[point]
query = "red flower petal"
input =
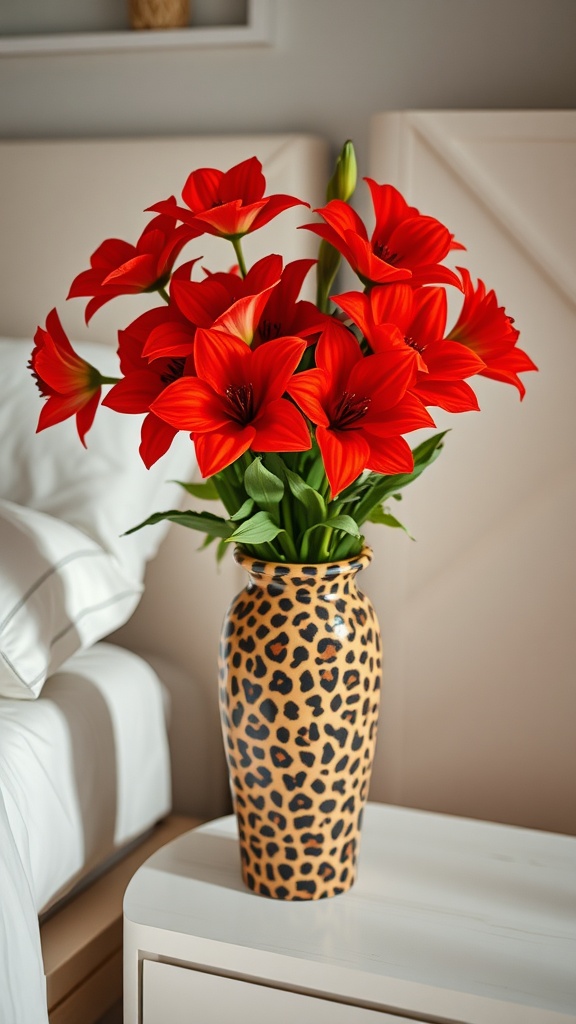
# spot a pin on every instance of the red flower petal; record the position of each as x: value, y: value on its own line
x: 232, y: 218
x: 447, y: 360
x: 170, y: 340
x: 136, y: 274
x: 134, y: 393
x: 390, y: 456
x: 310, y: 390
x: 342, y: 219
x: 408, y: 414
x: 280, y: 427
x: 155, y: 440
x: 219, y: 448
x: 191, y: 404
x: 221, y: 359
x: 201, y: 190
x: 345, y: 455
x: 390, y: 207
x: 244, y: 181
x: 419, y: 240
x: 452, y: 395
x: 242, y: 317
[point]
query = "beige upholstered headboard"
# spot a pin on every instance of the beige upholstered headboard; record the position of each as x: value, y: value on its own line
x: 58, y: 201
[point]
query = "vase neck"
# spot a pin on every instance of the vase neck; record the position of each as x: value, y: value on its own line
x: 280, y: 576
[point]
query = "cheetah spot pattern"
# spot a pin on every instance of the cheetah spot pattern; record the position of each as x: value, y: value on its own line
x: 299, y: 686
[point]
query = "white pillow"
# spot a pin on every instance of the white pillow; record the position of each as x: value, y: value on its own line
x: 103, y: 490
x: 60, y: 591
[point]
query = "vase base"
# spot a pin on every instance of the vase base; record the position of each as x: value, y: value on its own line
x: 298, y: 872
x: 300, y: 892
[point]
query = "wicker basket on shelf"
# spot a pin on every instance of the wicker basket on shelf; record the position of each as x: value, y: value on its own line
x: 155, y: 14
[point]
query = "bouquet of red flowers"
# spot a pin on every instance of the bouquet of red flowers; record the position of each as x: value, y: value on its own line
x: 297, y: 410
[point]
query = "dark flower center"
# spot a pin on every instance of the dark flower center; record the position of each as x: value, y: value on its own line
x: 174, y: 370
x: 160, y: 282
x: 381, y: 250
x: 269, y: 330
x: 241, y: 398
x: 414, y: 344
x: 349, y: 409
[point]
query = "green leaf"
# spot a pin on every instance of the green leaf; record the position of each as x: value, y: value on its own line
x: 221, y: 547
x: 216, y: 526
x: 264, y: 487
x: 221, y: 550
x: 243, y: 512
x: 312, y: 501
x: 424, y: 455
x: 256, y: 530
x: 382, y: 486
x: 344, y: 524
x: 206, y: 490
x: 380, y: 515
x: 348, y: 547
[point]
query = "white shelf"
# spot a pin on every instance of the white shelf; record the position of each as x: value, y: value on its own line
x: 258, y: 31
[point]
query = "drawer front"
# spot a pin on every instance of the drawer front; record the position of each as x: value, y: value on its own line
x: 178, y: 995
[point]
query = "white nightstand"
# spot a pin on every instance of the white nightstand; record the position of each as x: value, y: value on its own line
x: 450, y: 920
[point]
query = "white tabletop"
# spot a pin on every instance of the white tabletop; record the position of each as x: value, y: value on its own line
x: 460, y: 919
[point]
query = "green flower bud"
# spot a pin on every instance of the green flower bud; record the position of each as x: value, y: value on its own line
x: 343, y: 181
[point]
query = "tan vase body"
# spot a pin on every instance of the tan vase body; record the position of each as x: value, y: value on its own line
x: 300, y: 673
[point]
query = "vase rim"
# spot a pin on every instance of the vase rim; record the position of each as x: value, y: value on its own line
x: 336, y: 567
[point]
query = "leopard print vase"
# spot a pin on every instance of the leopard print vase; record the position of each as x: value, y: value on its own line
x: 300, y: 673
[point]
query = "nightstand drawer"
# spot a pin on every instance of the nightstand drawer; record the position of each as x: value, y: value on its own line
x: 178, y: 995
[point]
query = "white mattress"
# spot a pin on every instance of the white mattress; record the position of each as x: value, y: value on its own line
x: 84, y: 769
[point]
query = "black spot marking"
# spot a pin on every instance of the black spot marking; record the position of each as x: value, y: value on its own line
x: 252, y: 691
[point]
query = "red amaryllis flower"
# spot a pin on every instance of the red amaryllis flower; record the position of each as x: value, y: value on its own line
x: 144, y: 380
x: 285, y: 314
x: 225, y: 301
x: 419, y: 319
x: 404, y: 244
x: 236, y: 400
x: 361, y: 407
x: 229, y: 203
x: 71, y: 385
x: 118, y: 268
x: 486, y: 328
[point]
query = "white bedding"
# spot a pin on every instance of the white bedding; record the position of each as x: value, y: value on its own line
x: 84, y: 769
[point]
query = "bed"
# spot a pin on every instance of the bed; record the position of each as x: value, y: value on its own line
x: 109, y: 734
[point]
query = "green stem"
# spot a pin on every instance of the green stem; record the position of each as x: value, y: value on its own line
x: 109, y: 380
x: 288, y: 547
x: 324, y: 549
x: 227, y: 491
x: 163, y: 294
x: 266, y: 551
x: 286, y: 520
x: 316, y: 475
x: 239, y: 255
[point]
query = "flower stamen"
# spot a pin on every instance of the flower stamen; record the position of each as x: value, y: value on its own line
x: 414, y: 344
x: 349, y: 409
x: 382, y: 251
x: 173, y: 371
x: 241, y: 398
x: 269, y: 330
